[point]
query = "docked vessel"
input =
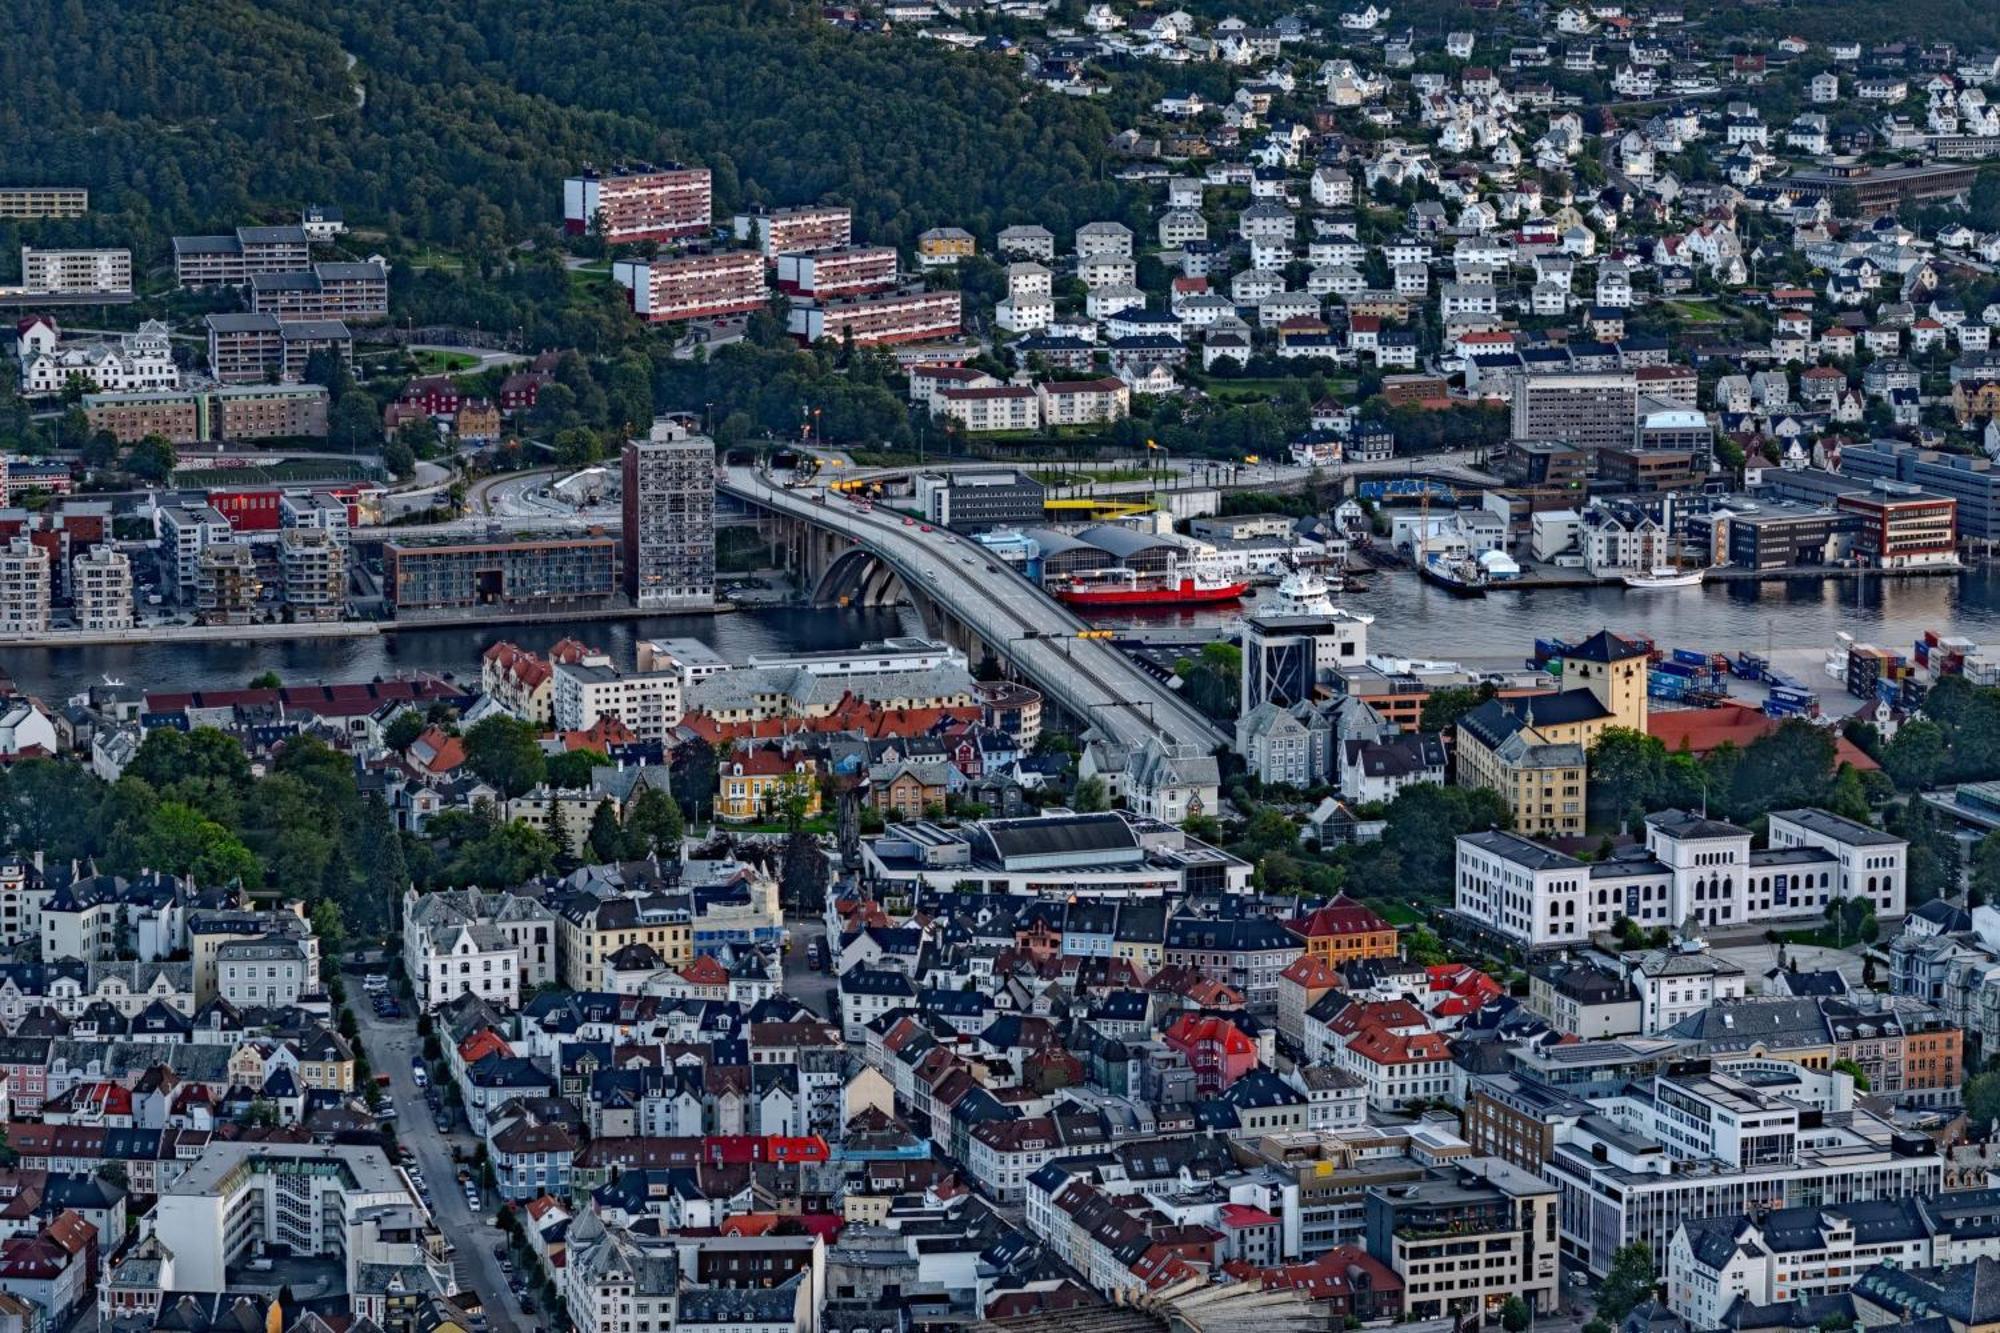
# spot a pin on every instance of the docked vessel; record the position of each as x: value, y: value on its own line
x: 1300, y: 593
x: 1128, y: 587
x: 1666, y: 576
x: 1461, y: 575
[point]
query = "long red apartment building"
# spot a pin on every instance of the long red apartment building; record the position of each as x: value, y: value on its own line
x: 693, y: 286
x: 653, y: 204
x: 887, y: 317
x: 797, y: 230
x: 846, y: 272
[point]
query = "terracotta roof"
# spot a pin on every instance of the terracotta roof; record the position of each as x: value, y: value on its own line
x: 1700, y: 730
x: 1342, y: 916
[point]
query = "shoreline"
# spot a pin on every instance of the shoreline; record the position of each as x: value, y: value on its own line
x: 333, y: 629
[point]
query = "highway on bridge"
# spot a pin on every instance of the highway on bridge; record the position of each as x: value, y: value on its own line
x: 1017, y: 621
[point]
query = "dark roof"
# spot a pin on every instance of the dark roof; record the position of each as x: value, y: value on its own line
x: 1059, y: 834
x: 1604, y: 646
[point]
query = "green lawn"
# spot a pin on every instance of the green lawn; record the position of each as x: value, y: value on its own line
x: 433, y: 362
x: 1696, y: 312
x: 1395, y: 911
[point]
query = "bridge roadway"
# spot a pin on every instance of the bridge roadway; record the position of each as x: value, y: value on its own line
x: 1017, y: 621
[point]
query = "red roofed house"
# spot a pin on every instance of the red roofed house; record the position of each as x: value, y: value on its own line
x: 1459, y: 989
x: 1349, y: 1279
x: 1344, y: 930
x: 436, y: 753
x: 1218, y: 1050
x: 1299, y: 989
x: 52, y: 1269
x: 1699, y: 730
x: 1249, y: 1234
x: 1398, y: 1069
x: 519, y: 682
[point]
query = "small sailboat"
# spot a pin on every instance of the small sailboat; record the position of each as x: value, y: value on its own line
x: 1666, y: 576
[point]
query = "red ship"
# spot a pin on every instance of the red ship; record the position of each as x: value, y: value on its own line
x: 1128, y: 587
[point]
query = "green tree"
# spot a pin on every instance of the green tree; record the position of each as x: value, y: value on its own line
x: 1854, y: 1071
x: 267, y: 680
x: 1091, y: 796
x: 1422, y: 946
x: 179, y: 838
x: 655, y: 823
x: 1445, y: 707
x: 607, y: 835
x: 152, y: 459
x: 1916, y: 756
x: 1515, y: 1316
x: 400, y: 459
x: 355, y: 423
x: 570, y: 770
x: 403, y: 730
x: 1630, y: 1282
x: 1849, y: 798
x: 1625, y: 772
x: 505, y: 752
x: 1982, y: 1099
x: 328, y: 926
x: 693, y: 774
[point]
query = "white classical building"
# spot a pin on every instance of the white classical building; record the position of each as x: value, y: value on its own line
x: 494, y: 945
x: 1692, y: 868
x: 136, y: 361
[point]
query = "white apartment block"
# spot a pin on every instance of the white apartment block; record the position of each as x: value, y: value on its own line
x: 1002, y: 407
x: 649, y: 702
x: 24, y: 588
x: 101, y: 588
x: 269, y: 971
x: 1084, y: 402
x: 94, y: 271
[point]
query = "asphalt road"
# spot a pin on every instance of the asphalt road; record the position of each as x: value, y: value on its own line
x: 1017, y: 620
x: 389, y: 1047
x: 816, y: 990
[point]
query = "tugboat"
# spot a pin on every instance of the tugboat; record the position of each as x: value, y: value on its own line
x: 1183, y: 586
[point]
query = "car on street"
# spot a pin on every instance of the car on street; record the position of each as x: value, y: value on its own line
x: 418, y: 1072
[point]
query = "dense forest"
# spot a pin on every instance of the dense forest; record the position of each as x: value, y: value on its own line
x: 476, y: 109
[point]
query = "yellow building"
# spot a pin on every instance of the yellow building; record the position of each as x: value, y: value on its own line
x: 751, y: 785
x: 589, y: 930
x: 1532, y: 749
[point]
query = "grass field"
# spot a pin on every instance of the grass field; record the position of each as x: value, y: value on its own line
x: 1695, y: 312
x: 277, y: 474
x: 1396, y: 912
x: 433, y: 362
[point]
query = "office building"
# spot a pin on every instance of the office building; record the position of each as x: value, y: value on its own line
x: 1291, y: 659
x: 879, y: 319
x: 1649, y: 469
x: 250, y: 348
x: 977, y: 501
x: 1972, y: 481
x: 43, y: 201
x: 1775, y: 534
x: 1901, y: 526
x: 226, y: 586
x: 312, y: 564
x: 850, y: 271
x: 24, y: 587
x: 648, y: 702
x: 674, y: 287
x: 1427, y: 1229
x: 311, y: 1200
x: 1666, y: 426
x: 531, y: 574
x: 101, y: 588
x: 231, y: 261
x: 642, y: 204
x: 93, y: 272
x: 1594, y: 410
x: 1719, y: 1141
x: 797, y: 230
x: 669, y: 518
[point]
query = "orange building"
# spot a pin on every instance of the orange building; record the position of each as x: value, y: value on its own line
x: 1343, y: 931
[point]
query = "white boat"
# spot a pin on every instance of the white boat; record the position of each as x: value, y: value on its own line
x: 1300, y: 593
x: 1666, y: 576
